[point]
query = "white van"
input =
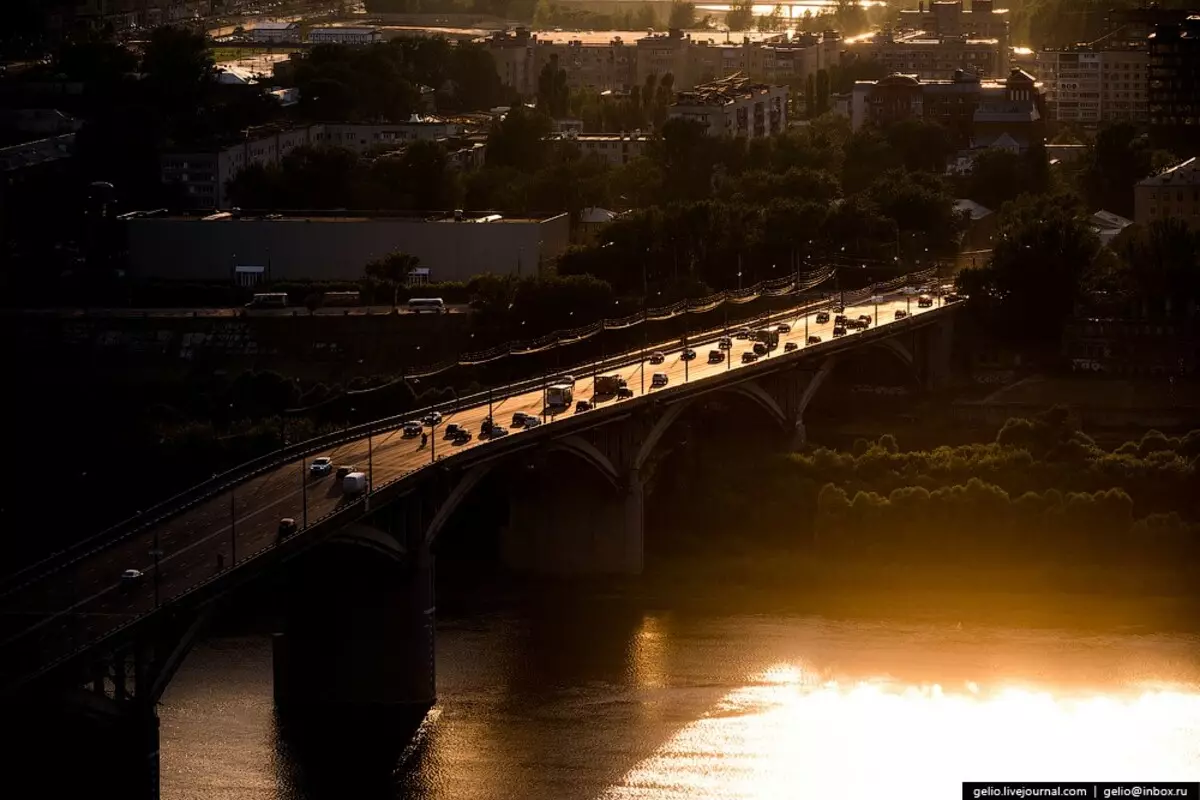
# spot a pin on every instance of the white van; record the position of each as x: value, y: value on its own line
x: 354, y: 483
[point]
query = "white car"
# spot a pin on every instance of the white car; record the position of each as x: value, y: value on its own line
x: 131, y: 576
x: 432, y: 418
x: 321, y: 466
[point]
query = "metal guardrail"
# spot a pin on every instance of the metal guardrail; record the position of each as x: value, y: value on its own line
x: 361, y: 502
x: 222, y: 482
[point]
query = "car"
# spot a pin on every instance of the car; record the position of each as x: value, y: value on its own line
x: 287, y: 526
x: 462, y: 436
x: 518, y: 419
x: 749, y: 357
x: 581, y: 406
x: 864, y: 318
x: 839, y: 330
x: 901, y: 313
x: 657, y: 357
x: 716, y: 356
x: 742, y: 333
x: 452, y: 430
x: 725, y: 343
x: 790, y: 346
x: 565, y: 379
x: 924, y: 301
x: 498, y: 431
x: 953, y: 297
x: 413, y: 430
x: 485, y: 427
x: 687, y: 355
x: 658, y: 379
x: 822, y: 317
x: 624, y: 393
x: 345, y: 470
x: 814, y: 339
x: 320, y: 466
x: 432, y: 418
x: 840, y: 319
x: 531, y: 421
x: 131, y: 577
x: 783, y: 327
x: 760, y: 349
x: 839, y: 309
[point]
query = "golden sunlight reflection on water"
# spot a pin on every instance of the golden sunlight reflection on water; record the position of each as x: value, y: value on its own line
x: 790, y: 734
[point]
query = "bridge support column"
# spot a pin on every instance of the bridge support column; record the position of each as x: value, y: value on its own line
x: 579, y: 526
x: 799, y: 437
x: 354, y: 668
x: 937, y: 342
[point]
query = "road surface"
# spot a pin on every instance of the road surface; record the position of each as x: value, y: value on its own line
x: 87, y: 599
x: 225, y: 313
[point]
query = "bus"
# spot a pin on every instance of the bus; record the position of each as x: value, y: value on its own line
x: 341, y: 299
x: 269, y: 300
x: 427, y: 305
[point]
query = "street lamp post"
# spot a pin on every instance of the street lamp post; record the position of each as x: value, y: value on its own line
x: 370, y: 464
x: 232, y: 527
x: 156, y: 552
x: 304, y: 493
x: 433, y: 442
x: 645, y: 342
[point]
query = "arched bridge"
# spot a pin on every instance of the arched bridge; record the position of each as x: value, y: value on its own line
x: 73, y: 622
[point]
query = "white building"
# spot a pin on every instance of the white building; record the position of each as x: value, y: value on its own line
x: 1089, y: 87
x: 336, y: 246
x: 344, y: 35
x: 734, y: 106
x: 615, y: 148
x: 275, y: 32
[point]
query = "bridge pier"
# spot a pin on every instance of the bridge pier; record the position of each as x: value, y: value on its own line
x: 354, y: 668
x: 579, y: 526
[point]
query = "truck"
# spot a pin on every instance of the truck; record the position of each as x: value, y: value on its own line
x: 609, y: 384
x: 354, y: 484
x: 559, y: 395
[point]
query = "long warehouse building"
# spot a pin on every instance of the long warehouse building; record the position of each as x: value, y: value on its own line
x: 248, y: 248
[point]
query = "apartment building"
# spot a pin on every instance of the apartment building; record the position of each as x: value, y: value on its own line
x: 123, y: 15
x: 344, y: 35
x: 204, y: 174
x: 734, y: 106
x: 615, y: 148
x: 609, y: 62
x: 1174, y: 192
x: 1087, y: 86
x: 933, y: 57
x: 978, y: 113
x: 950, y: 19
x: 1173, y: 73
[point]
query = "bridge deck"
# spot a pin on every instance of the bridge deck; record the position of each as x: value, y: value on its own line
x: 79, y: 602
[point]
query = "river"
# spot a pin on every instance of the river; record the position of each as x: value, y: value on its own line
x: 594, y: 697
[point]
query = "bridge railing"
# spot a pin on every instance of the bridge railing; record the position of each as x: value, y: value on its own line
x: 75, y: 645
x: 222, y: 482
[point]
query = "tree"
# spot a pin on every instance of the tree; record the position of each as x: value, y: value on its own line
x: 740, y: 15
x: 810, y: 96
x: 922, y: 145
x: 394, y: 268
x: 552, y: 91
x: 517, y: 140
x: 178, y: 66
x: 683, y: 15
x: 1039, y: 269
x: 1120, y: 157
x: 1162, y: 264
x: 998, y: 176
x: 822, y: 92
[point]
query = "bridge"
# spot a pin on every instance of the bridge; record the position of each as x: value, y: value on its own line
x: 81, y: 648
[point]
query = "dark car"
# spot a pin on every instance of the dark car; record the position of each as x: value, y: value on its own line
x: 901, y: 313
x: 518, y: 420
x: 840, y: 319
x: 790, y: 346
x: 760, y: 349
x: 822, y: 317
x: 344, y: 471
x: 839, y: 330
x: 715, y: 356
x: 461, y: 436
x: 814, y: 339
x: 749, y: 358
x: 624, y: 393
x: 865, y: 318
x: 581, y: 406
x: 485, y: 427
x: 952, y: 298
x: 839, y: 309
x: 688, y: 355
x: 924, y: 301
x: 287, y: 526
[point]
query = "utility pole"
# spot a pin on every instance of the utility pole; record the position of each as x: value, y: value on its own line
x: 232, y: 528
x: 156, y: 552
x: 370, y: 465
x: 304, y: 492
x: 645, y: 342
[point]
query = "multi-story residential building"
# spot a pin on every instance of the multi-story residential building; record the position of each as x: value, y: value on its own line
x: 122, y: 15
x: 614, y: 148
x: 933, y: 57
x: 1089, y: 86
x: 282, y: 32
x: 948, y: 18
x: 977, y: 113
x: 203, y: 174
x: 1131, y: 27
x: 1174, y: 86
x: 610, y: 62
x: 734, y: 106
x: 1174, y: 192
x: 344, y: 35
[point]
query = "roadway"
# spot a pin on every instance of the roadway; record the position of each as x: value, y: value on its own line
x: 87, y: 599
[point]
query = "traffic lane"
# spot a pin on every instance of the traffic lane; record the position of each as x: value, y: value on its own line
x: 263, y: 494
